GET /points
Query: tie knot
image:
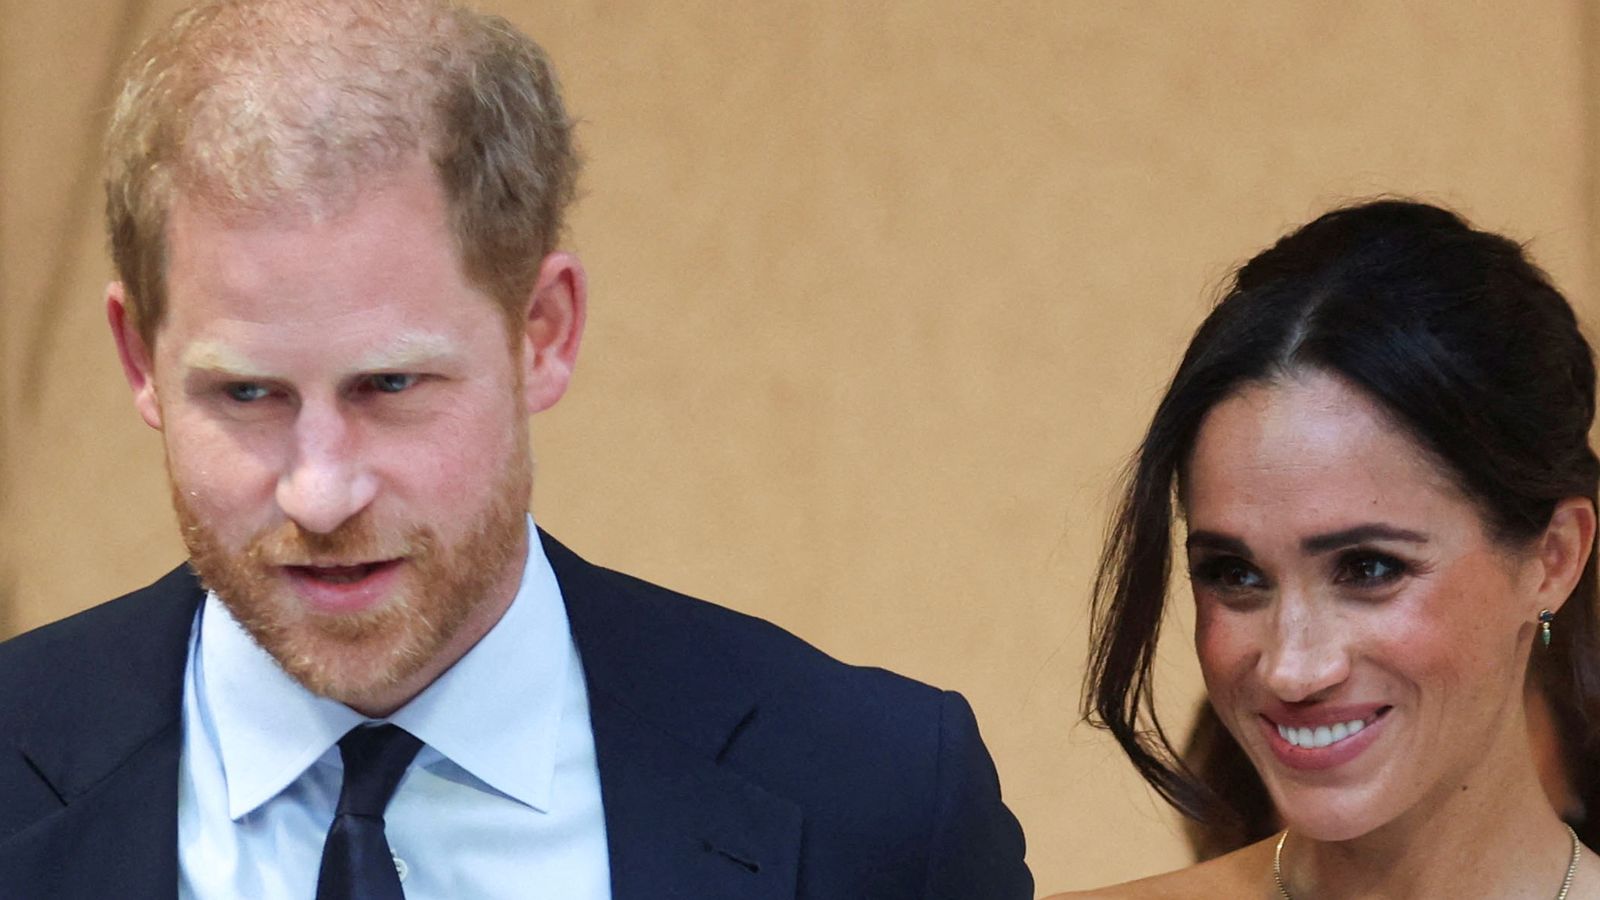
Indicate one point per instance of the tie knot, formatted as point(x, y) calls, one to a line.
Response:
point(374, 761)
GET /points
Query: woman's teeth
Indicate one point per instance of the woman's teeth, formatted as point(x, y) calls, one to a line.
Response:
point(1322, 735)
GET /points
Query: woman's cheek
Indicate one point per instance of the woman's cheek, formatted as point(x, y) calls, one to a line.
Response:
point(1222, 641)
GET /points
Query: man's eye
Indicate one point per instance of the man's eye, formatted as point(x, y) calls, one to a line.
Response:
point(392, 382)
point(245, 391)
point(1369, 569)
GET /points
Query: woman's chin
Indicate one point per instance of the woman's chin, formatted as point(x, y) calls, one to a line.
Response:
point(1332, 813)
point(1329, 829)
point(1334, 822)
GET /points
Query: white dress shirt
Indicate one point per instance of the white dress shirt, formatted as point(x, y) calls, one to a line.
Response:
point(502, 801)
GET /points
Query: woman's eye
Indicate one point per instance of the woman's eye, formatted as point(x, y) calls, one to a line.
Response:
point(1227, 573)
point(1369, 569)
point(392, 382)
point(245, 391)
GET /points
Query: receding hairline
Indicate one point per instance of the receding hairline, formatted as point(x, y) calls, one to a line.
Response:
point(271, 106)
point(301, 102)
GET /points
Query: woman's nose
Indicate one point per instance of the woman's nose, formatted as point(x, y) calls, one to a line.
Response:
point(1306, 654)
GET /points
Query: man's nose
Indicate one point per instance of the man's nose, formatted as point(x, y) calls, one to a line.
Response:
point(1307, 651)
point(326, 480)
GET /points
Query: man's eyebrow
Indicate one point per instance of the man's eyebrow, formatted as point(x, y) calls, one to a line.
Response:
point(406, 352)
point(212, 356)
point(1217, 542)
point(1373, 531)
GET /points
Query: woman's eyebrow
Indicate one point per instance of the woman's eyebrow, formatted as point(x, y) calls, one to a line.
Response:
point(1320, 543)
point(1372, 531)
point(1217, 542)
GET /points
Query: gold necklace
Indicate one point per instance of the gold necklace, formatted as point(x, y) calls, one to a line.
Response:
point(1283, 890)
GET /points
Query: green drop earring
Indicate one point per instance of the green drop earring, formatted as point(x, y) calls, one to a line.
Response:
point(1545, 618)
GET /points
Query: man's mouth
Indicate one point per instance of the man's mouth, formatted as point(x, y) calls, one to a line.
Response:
point(349, 573)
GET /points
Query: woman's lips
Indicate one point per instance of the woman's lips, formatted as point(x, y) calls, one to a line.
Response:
point(343, 589)
point(1323, 739)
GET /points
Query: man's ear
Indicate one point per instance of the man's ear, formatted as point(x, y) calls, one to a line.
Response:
point(138, 364)
point(1563, 550)
point(552, 331)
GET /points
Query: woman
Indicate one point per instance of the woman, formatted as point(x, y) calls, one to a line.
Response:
point(1378, 442)
point(1216, 759)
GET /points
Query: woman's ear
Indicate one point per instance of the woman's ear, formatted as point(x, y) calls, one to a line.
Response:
point(1563, 550)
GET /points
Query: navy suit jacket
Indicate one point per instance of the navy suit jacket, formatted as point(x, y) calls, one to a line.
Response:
point(735, 760)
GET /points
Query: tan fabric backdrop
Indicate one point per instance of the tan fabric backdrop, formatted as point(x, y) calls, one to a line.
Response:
point(882, 295)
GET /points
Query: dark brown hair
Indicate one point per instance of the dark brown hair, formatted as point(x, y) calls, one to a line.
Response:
point(1470, 349)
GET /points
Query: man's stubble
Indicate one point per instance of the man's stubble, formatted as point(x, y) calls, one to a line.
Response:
point(353, 658)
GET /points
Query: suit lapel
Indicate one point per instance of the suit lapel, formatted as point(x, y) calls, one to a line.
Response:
point(120, 839)
point(104, 738)
point(665, 704)
point(679, 826)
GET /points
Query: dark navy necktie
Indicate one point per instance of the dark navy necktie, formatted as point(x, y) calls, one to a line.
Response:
point(356, 861)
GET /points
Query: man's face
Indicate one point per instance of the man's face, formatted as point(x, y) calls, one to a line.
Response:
point(345, 427)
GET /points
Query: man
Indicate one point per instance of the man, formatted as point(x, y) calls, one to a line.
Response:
point(339, 299)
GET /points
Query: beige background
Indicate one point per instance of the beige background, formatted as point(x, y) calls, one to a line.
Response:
point(882, 296)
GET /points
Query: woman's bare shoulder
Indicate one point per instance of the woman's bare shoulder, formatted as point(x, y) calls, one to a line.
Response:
point(1243, 873)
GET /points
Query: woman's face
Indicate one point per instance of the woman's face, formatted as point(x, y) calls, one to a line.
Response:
point(1360, 633)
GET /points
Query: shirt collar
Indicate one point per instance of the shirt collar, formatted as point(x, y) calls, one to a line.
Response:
point(495, 713)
